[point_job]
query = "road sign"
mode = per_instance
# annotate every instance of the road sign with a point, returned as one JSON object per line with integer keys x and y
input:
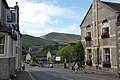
{"x": 58, "y": 58}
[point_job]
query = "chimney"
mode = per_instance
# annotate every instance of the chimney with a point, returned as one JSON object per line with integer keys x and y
{"x": 95, "y": 4}
{"x": 95, "y": 9}
{"x": 95, "y": 21}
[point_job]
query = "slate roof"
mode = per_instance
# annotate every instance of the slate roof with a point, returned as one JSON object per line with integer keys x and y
{"x": 4, "y": 1}
{"x": 5, "y": 29}
{"x": 114, "y": 6}
{"x": 53, "y": 52}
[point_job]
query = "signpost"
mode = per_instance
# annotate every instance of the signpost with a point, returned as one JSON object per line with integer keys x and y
{"x": 58, "y": 60}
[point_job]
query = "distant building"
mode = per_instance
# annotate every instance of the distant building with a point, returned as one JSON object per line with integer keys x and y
{"x": 33, "y": 52}
{"x": 10, "y": 40}
{"x": 98, "y": 33}
{"x": 50, "y": 54}
{"x": 28, "y": 58}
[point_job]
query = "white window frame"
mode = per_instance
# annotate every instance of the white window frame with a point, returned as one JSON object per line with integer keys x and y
{"x": 88, "y": 28}
{"x": 89, "y": 52}
{"x": 4, "y": 52}
{"x": 105, "y": 25}
{"x": 107, "y": 53}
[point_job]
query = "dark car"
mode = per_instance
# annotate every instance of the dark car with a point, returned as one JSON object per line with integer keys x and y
{"x": 34, "y": 64}
{"x": 51, "y": 65}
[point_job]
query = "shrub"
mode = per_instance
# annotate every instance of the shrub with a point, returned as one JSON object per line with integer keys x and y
{"x": 105, "y": 35}
{"x": 88, "y": 38}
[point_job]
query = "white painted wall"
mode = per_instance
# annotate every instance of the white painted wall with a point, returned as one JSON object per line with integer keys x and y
{"x": 28, "y": 57}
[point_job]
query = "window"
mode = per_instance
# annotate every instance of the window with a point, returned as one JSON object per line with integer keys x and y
{"x": 88, "y": 28}
{"x": 2, "y": 44}
{"x": 105, "y": 26}
{"x": 88, "y": 33}
{"x": 105, "y": 29}
{"x": 107, "y": 54}
{"x": 11, "y": 16}
{"x": 89, "y": 54}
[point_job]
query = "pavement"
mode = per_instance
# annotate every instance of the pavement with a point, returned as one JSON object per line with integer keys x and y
{"x": 23, "y": 75}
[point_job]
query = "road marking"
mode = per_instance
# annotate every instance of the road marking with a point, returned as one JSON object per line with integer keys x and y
{"x": 67, "y": 78}
{"x": 31, "y": 76}
{"x": 53, "y": 74}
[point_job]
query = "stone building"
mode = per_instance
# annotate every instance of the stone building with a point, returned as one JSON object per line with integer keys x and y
{"x": 50, "y": 54}
{"x": 98, "y": 33}
{"x": 10, "y": 40}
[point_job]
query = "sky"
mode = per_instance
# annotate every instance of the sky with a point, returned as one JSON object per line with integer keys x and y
{"x": 40, "y": 17}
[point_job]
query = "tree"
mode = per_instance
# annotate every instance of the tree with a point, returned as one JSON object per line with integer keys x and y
{"x": 34, "y": 59}
{"x": 66, "y": 53}
{"x": 53, "y": 59}
{"x": 71, "y": 52}
{"x": 79, "y": 50}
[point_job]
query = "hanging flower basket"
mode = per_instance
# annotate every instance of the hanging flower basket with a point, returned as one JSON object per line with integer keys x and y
{"x": 105, "y": 35}
{"x": 89, "y": 62}
{"x": 88, "y": 38}
{"x": 107, "y": 64}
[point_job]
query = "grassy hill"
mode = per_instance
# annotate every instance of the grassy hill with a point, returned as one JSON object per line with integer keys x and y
{"x": 62, "y": 37}
{"x": 28, "y": 41}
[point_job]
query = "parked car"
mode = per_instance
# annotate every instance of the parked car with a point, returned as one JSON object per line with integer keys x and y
{"x": 50, "y": 65}
{"x": 34, "y": 64}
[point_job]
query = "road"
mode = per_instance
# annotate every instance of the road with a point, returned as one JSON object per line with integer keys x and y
{"x": 37, "y": 73}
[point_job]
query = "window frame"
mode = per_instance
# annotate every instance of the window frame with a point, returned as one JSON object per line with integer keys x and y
{"x": 88, "y": 28}
{"x": 4, "y": 44}
{"x": 88, "y": 31}
{"x": 89, "y": 52}
{"x": 105, "y": 28}
{"x": 107, "y": 53}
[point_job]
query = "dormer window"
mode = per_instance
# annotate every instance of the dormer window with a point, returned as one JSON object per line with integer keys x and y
{"x": 105, "y": 29}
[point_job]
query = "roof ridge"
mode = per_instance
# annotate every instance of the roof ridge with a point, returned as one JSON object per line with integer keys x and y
{"x": 114, "y": 6}
{"x": 110, "y": 2}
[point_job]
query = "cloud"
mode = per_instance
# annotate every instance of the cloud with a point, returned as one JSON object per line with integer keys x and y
{"x": 38, "y": 18}
{"x": 73, "y": 26}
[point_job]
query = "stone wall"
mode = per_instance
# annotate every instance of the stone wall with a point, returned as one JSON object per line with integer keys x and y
{"x": 110, "y": 42}
{"x": 7, "y": 67}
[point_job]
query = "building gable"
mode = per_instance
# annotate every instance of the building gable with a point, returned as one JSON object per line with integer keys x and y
{"x": 113, "y": 7}
{"x": 88, "y": 12}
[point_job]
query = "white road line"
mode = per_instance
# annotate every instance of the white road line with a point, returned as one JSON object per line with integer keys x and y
{"x": 31, "y": 76}
{"x": 53, "y": 74}
{"x": 67, "y": 78}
